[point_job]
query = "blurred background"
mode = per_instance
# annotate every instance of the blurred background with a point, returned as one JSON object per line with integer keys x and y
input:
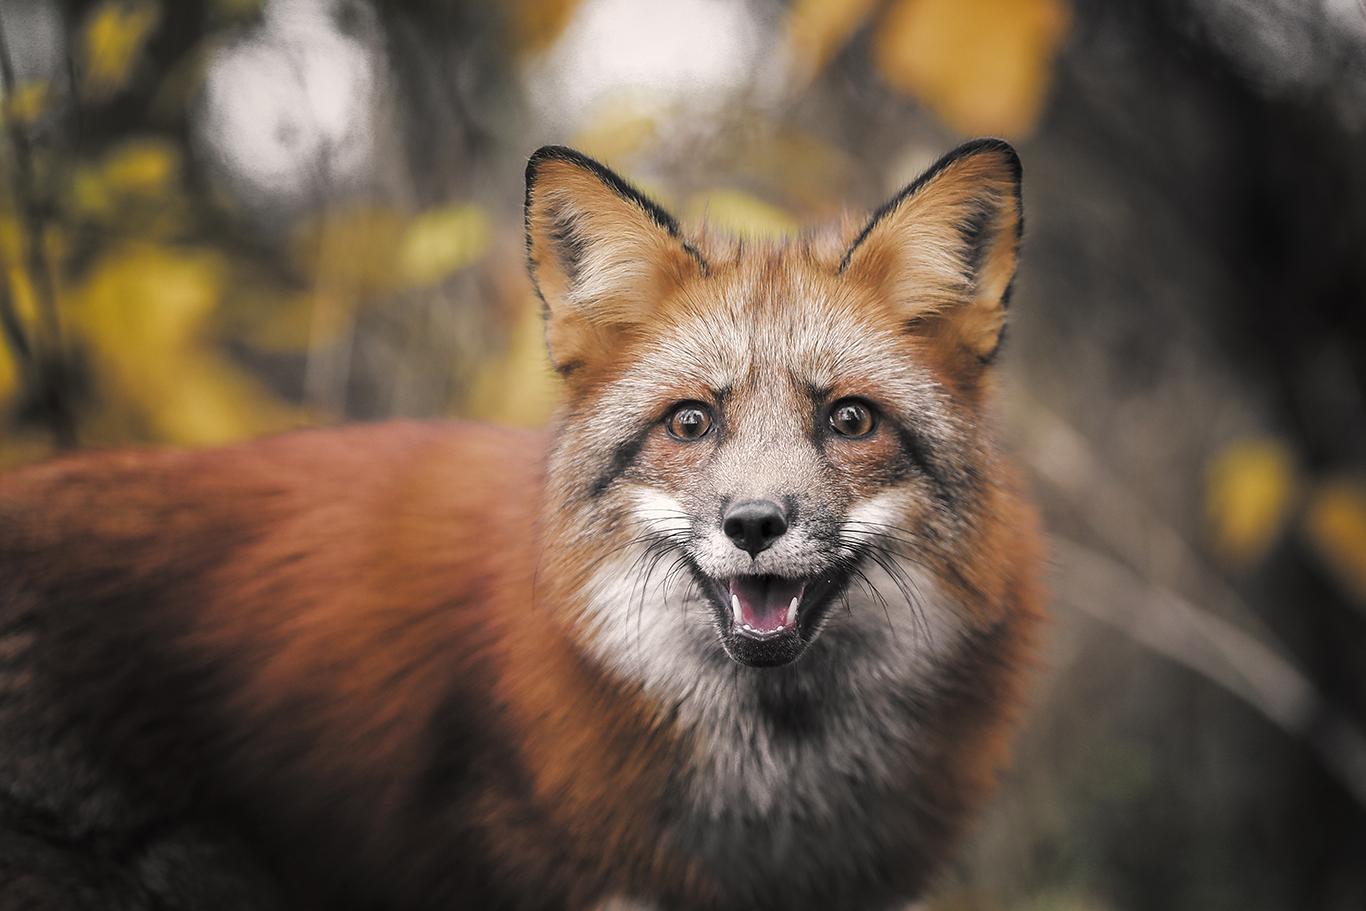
{"x": 225, "y": 218}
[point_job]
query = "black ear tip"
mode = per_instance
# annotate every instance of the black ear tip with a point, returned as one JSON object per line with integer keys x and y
{"x": 988, "y": 145}
{"x": 551, "y": 153}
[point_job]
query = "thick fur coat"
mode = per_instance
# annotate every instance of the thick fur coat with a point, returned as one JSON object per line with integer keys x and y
{"x": 745, "y": 628}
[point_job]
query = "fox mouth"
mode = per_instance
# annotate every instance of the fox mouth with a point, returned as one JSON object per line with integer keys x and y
{"x": 764, "y": 606}
{"x": 768, "y": 620}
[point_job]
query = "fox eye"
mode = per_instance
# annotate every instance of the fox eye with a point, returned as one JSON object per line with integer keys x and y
{"x": 852, "y": 418}
{"x": 689, "y": 421}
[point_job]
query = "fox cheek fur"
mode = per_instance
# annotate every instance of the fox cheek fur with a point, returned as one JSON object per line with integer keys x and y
{"x": 771, "y": 513}
{"x": 747, "y": 628}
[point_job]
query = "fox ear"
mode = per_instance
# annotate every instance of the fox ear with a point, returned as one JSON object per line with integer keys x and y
{"x": 942, "y": 252}
{"x": 601, "y": 255}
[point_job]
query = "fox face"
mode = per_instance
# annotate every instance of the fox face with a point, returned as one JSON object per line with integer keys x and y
{"x": 766, "y": 443}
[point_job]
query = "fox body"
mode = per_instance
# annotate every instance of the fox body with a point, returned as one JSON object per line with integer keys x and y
{"x": 746, "y": 628}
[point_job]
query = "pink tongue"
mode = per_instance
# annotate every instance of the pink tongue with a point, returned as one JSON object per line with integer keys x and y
{"x": 765, "y": 601}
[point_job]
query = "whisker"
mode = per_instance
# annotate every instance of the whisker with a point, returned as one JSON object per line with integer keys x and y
{"x": 877, "y": 551}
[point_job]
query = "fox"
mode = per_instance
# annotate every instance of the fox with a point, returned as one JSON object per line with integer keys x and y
{"x": 749, "y": 625}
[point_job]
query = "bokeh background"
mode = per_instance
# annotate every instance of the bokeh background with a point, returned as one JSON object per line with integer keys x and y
{"x": 221, "y": 219}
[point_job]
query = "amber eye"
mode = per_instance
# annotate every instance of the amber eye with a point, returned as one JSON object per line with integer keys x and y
{"x": 689, "y": 421}
{"x": 851, "y": 418}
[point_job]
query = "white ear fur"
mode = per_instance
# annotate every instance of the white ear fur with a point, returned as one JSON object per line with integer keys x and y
{"x": 601, "y": 255}
{"x": 944, "y": 250}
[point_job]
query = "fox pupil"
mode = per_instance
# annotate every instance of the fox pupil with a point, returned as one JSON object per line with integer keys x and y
{"x": 852, "y": 419}
{"x": 689, "y": 422}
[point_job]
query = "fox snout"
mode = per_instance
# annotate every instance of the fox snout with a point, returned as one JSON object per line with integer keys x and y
{"x": 754, "y": 525}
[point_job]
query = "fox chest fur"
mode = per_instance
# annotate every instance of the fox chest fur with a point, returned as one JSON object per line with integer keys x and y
{"x": 746, "y": 628}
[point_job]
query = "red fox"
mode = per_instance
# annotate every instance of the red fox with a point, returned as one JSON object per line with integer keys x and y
{"x": 746, "y": 628}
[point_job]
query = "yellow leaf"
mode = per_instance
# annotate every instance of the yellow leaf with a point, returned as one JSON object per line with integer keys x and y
{"x": 23, "y": 296}
{"x": 142, "y": 167}
{"x": 515, "y": 387}
{"x": 283, "y": 322}
{"x": 114, "y": 35}
{"x": 28, "y": 103}
{"x": 439, "y": 242}
{"x": 983, "y": 66}
{"x": 352, "y": 249}
{"x": 15, "y": 253}
{"x": 807, "y": 170}
{"x": 1336, "y": 524}
{"x": 9, "y": 375}
{"x": 90, "y": 197}
{"x": 143, "y": 314}
{"x": 155, "y": 296}
{"x": 535, "y": 24}
{"x": 1249, "y": 489}
{"x": 740, "y": 213}
{"x": 817, "y": 29}
{"x": 617, "y": 130}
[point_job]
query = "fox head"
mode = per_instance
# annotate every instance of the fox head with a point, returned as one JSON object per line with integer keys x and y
{"x": 770, "y": 444}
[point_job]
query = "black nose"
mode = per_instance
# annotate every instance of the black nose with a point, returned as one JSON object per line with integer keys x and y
{"x": 754, "y": 525}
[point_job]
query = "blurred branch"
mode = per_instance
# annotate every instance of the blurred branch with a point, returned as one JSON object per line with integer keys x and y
{"x": 10, "y": 324}
{"x": 1229, "y": 646}
{"x": 1062, "y": 457}
{"x": 1170, "y": 625}
{"x": 47, "y": 374}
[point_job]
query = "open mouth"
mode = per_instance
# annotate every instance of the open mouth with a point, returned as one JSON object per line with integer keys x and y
{"x": 767, "y": 620}
{"x": 764, "y": 606}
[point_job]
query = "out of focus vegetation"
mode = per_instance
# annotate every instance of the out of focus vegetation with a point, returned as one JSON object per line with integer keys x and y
{"x": 225, "y": 218}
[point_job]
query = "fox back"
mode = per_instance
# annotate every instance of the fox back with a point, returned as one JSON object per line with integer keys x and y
{"x": 745, "y": 628}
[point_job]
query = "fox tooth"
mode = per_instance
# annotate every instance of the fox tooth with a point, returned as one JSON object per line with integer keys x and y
{"x": 792, "y": 612}
{"x": 735, "y": 607}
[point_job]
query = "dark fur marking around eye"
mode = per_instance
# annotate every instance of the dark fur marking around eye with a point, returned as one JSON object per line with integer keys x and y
{"x": 918, "y": 455}
{"x": 622, "y": 458}
{"x": 817, "y": 396}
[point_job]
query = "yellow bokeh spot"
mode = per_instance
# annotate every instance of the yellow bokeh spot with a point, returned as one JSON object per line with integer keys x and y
{"x": 535, "y": 24}
{"x": 9, "y": 375}
{"x": 143, "y": 314}
{"x": 817, "y": 29}
{"x": 1336, "y": 525}
{"x": 90, "y": 196}
{"x": 271, "y": 320}
{"x": 983, "y": 66}
{"x": 740, "y": 213}
{"x": 515, "y": 387}
{"x": 1250, "y": 487}
{"x": 440, "y": 242}
{"x": 114, "y": 35}
{"x": 143, "y": 167}
{"x": 28, "y": 103}
{"x": 618, "y": 129}
{"x": 352, "y": 249}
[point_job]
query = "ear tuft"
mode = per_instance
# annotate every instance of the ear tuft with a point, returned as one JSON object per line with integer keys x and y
{"x": 943, "y": 251}
{"x": 602, "y": 256}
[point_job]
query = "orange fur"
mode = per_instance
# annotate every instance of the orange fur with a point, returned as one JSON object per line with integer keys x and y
{"x": 364, "y": 663}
